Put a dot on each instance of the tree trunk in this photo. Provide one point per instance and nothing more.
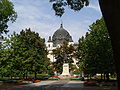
(101, 76)
(111, 13)
(11, 77)
(26, 76)
(104, 76)
(107, 76)
(23, 75)
(35, 75)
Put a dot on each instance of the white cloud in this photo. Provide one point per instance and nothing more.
(94, 5)
(97, 8)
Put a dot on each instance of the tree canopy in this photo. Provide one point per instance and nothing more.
(24, 54)
(59, 5)
(7, 13)
(95, 51)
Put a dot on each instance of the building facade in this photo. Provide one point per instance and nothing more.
(57, 40)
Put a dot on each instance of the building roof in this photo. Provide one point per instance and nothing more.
(60, 36)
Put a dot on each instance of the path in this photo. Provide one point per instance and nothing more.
(55, 85)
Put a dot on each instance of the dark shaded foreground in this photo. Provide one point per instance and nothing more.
(58, 85)
(53, 87)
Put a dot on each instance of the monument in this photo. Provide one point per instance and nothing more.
(65, 73)
(65, 69)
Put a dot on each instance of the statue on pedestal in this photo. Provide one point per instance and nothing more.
(65, 73)
(65, 69)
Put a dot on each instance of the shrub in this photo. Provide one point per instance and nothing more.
(104, 84)
(11, 81)
(42, 76)
(53, 79)
(74, 78)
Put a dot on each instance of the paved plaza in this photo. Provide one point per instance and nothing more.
(55, 85)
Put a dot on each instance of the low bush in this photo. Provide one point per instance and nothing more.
(104, 84)
(42, 76)
(53, 79)
(74, 78)
(11, 81)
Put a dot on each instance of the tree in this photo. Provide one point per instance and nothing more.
(95, 50)
(33, 51)
(7, 13)
(63, 54)
(25, 54)
(81, 54)
(102, 46)
(110, 10)
(111, 13)
(6, 63)
(59, 5)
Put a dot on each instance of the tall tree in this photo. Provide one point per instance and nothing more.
(95, 50)
(7, 13)
(27, 54)
(6, 64)
(34, 51)
(111, 13)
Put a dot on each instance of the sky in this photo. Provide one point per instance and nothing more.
(40, 17)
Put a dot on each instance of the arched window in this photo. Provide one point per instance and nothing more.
(49, 45)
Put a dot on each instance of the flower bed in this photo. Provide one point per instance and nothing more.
(35, 81)
(31, 81)
(54, 78)
(20, 83)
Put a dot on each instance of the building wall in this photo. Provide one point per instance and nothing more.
(50, 52)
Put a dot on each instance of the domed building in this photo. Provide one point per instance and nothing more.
(57, 40)
(60, 36)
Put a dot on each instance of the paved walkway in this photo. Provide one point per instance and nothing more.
(41, 83)
(74, 84)
(55, 85)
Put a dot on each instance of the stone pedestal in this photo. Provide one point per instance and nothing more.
(65, 74)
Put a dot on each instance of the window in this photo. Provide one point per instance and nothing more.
(49, 45)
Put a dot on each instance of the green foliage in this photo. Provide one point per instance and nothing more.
(50, 70)
(24, 54)
(105, 84)
(94, 50)
(76, 5)
(64, 54)
(77, 71)
(7, 13)
(75, 79)
(42, 76)
(11, 81)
